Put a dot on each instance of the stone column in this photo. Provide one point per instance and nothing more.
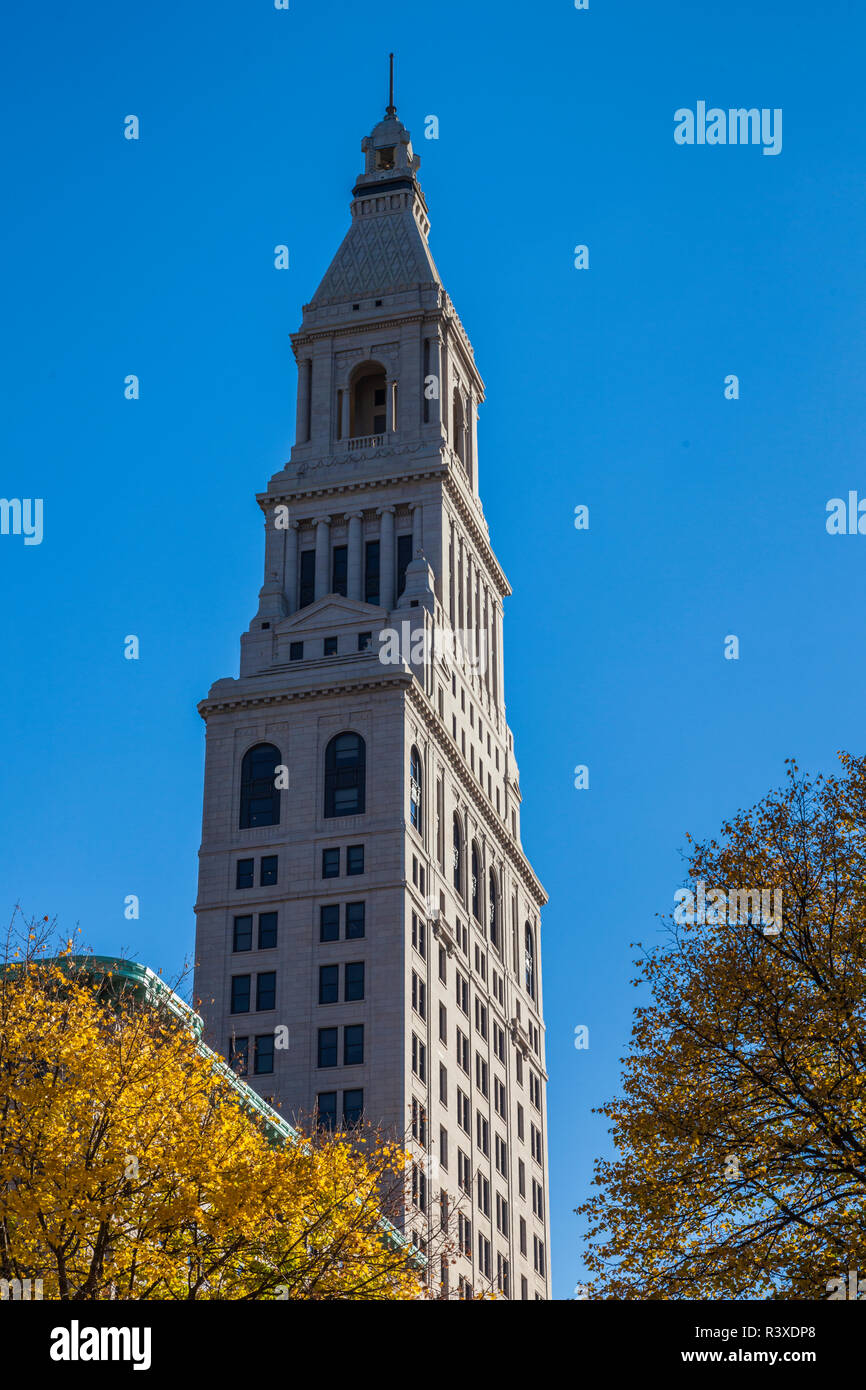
(473, 426)
(302, 425)
(344, 425)
(386, 558)
(323, 557)
(290, 582)
(356, 552)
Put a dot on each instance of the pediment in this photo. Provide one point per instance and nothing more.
(331, 611)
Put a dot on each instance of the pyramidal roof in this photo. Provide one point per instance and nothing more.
(385, 249)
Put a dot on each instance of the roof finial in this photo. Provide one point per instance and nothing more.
(392, 110)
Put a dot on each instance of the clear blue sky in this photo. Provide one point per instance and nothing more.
(605, 387)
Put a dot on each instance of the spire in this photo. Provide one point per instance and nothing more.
(390, 109)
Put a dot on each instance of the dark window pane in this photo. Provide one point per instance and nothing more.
(327, 1047)
(355, 920)
(326, 1109)
(244, 878)
(308, 578)
(266, 990)
(354, 980)
(264, 1054)
(240, 994)
(242, 939)
(329, 922)
(330, 646)
(355, 859)
(331, 863)
(353, 1045)
(353, 1108)
(365, 641)
(267, 930)
(340, 570)
(239, 1049)
(345, 775)
(329, 985)
(404, 555)
(296, 651)
(268, 872)
(371, 572)
(260, 800)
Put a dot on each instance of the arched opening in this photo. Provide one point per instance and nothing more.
(476, 883)
(457, 856)
(529, 960)
(458, 426)
(493, 910)
(368, 411)
(416, 790)
(345, 775)
(260, 799)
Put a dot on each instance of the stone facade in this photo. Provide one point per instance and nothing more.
(375, 528)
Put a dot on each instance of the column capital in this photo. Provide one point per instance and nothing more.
(384, 511)
(355, 516)
(323, 521)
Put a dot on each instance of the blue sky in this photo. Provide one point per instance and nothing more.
(605, 387)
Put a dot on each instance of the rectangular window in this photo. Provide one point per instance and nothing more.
(419, 933)
(264, 1057)
(538, 1261)
(330, 863)
(329, 984)
(353, 1045)
(329, 922)
(443, 1148)
(522, 1236)
(307, 588)
(296, 651)
(462, 991)
(501, 1156)
(462, 1051)
(404, 556)
(340, 570)
(482, 1133)
(267, 931)
(326, 1110)
(354, 981)
(481, 1074)
(443, 965)
(483, 1191)
(502, 1275)
(499, 1097)
(268, 870)
(239, 1049)
(266, 990)
(443, 1023)
(240, 994)
(464, 1112)
(365, 641)
(353, 1108)
(355, 859)
(371, 572)
(242, 936)
(484, 1255)
(521, 1177)
(501, 1214)
(419, 995)
(328, 1047)
(443, 1084)
(419, 1058)
(244, 873)
(355, 916)
(464, 1173)
(329, 646)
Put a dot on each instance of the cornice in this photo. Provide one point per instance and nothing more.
(223, 705)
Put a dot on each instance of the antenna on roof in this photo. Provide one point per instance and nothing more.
(392, 110)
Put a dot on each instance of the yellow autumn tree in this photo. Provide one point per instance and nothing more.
(129, 1170)
(741, 1128)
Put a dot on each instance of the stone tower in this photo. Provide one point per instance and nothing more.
(368, 933)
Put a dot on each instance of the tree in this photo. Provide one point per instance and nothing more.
(129, 1170)
(740, 1135)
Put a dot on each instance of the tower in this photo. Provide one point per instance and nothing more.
(368, 929)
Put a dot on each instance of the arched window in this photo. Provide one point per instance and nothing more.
(416, 790)
(367, 402)
(476, 884)
(260, 800)
(458, 426)
(529, 960)
(457, 855)
(345, 775)
(494, 911)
